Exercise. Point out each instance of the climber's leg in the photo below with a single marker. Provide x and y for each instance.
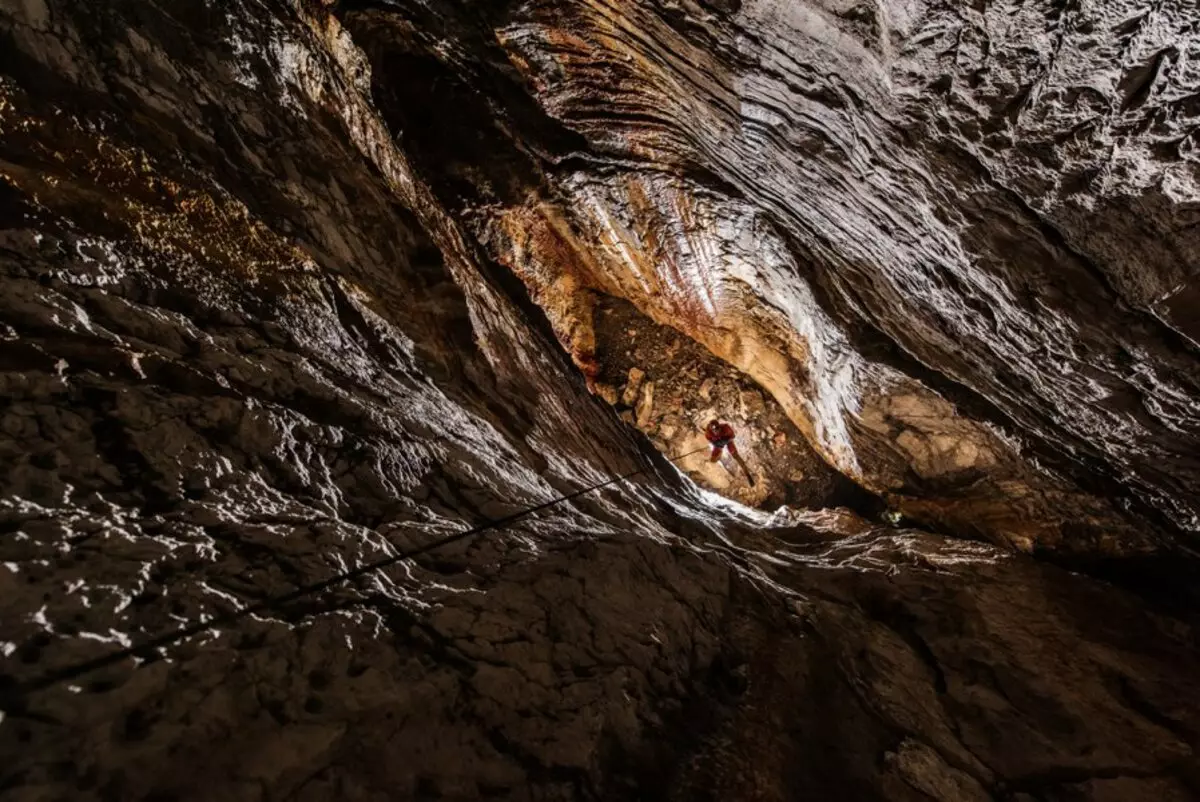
(733, 452)
(716, 452)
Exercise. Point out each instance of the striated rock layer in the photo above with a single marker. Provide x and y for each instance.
(281, 290)
(953, 243)
(670, 388)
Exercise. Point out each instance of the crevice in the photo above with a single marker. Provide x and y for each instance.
(1065, 775)
(1136, 84)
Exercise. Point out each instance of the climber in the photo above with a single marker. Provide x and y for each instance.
(721, 436)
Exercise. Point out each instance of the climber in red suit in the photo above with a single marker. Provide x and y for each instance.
(721, 436)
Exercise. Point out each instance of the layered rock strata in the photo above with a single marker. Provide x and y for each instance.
(258, 327)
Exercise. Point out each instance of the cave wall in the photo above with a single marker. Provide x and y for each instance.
(953, 243)
(931, 164)
(257, 331)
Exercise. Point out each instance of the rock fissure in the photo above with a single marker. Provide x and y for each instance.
(293, 285)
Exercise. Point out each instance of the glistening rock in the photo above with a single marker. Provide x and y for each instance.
(259, 327)
(854, 203)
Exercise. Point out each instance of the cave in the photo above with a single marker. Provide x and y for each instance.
(356, 357)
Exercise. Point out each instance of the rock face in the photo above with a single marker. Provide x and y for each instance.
(883, 213)
(669, 387)
(284, 290)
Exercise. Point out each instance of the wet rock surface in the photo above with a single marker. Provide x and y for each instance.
(854, 203)
(287, 289)
(669, 387)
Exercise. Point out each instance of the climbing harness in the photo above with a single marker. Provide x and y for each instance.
(11, 691)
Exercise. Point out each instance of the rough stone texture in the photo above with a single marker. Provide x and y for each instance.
(670, 387)
(251, 335)
(855, 204)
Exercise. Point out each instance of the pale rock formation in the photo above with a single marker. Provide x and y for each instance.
(284, 288)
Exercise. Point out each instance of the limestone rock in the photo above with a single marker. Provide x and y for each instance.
(633, 386)
(645, 405)
(289, 287)
(857, 203)
(609, 393)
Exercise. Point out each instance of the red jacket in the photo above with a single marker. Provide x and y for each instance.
(722, 431)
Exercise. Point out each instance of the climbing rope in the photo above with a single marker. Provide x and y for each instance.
(14, 690)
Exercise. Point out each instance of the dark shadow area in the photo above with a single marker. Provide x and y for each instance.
(1170, 583)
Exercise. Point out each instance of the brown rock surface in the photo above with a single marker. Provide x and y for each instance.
(827, 198)
(675, 387)
(258, 327)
